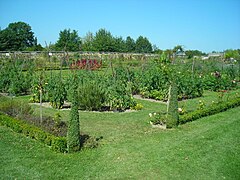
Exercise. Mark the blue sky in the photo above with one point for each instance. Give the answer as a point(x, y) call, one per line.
point(206, 25)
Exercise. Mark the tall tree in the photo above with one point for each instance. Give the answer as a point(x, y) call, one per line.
point(17, 37)
point(68, 41)
point(130, 44)
point(87, 42)
point(104, 41)
point(119, 44)
point(143, 45)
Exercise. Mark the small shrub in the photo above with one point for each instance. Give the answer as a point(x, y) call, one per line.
point(138, 107)
point(91, 96)
point(15, 108)
point(158, 118)
point(59, 144)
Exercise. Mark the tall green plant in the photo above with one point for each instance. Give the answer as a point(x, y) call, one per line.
point(57, 92)
point(73, 135)
point(91, 96)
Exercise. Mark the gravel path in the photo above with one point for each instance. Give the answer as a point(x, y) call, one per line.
point(147, 99)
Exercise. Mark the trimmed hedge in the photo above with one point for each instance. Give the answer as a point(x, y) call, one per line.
point(214, 109)
point(58, 144)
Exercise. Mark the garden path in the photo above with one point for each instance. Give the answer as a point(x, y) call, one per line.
point(147, 99)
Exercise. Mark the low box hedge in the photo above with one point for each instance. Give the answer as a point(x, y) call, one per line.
point(58, 144)
point(213, 109)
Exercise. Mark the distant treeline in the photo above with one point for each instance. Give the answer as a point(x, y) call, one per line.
point(18, 36)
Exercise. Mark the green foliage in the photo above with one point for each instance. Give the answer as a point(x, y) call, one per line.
point(16, 37)
point(57, 93)
point(119, 44)
point(58, 144)
point(137, 107)
point(120, 96)
point(231, 54)
point(159, 118)
point(14, 79)
point(213, 109)
point(189, 86)
point(143, 45)
point(191, 53)
point(103, 41)
point(155, 81)
point(39, 84)
point(214, 83)
point(87, 44)
point(130, 44)
point(73, 135)
point(101, 92)
point(91, 96)
point(15, 108)
point(68, 41)
point(172, 108)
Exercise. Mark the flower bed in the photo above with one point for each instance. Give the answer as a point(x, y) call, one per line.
point(92, 64)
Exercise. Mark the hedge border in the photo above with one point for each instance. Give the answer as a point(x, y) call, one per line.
point(58, 144)
point(214, 109)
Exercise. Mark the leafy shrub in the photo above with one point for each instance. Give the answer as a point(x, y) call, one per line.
point(13, 78)
point(213, 83)
point(120, 97)
point(158, 118)
point(155, 82)
point(15, 108)
point(57, 93)
point(189, 86)
point(91, 96)
point(138, 107)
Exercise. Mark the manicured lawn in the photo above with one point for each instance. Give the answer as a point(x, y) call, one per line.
point(208, 148)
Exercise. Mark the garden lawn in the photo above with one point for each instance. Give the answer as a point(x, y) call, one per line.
point(208, 148)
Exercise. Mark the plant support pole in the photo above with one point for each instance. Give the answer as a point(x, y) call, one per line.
point(41, 105)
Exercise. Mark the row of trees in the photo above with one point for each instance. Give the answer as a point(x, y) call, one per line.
point(102, 41)
point(19, 36)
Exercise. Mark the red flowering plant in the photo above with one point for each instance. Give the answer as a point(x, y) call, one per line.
point(92, 64)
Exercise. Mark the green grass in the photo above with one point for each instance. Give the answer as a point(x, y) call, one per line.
point(208, 148)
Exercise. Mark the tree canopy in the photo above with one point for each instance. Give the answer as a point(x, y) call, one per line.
point(130, 44)
point(87, 42)
point(143, 45)
point(17, 36)
point(68, 41)
point(103, 41)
